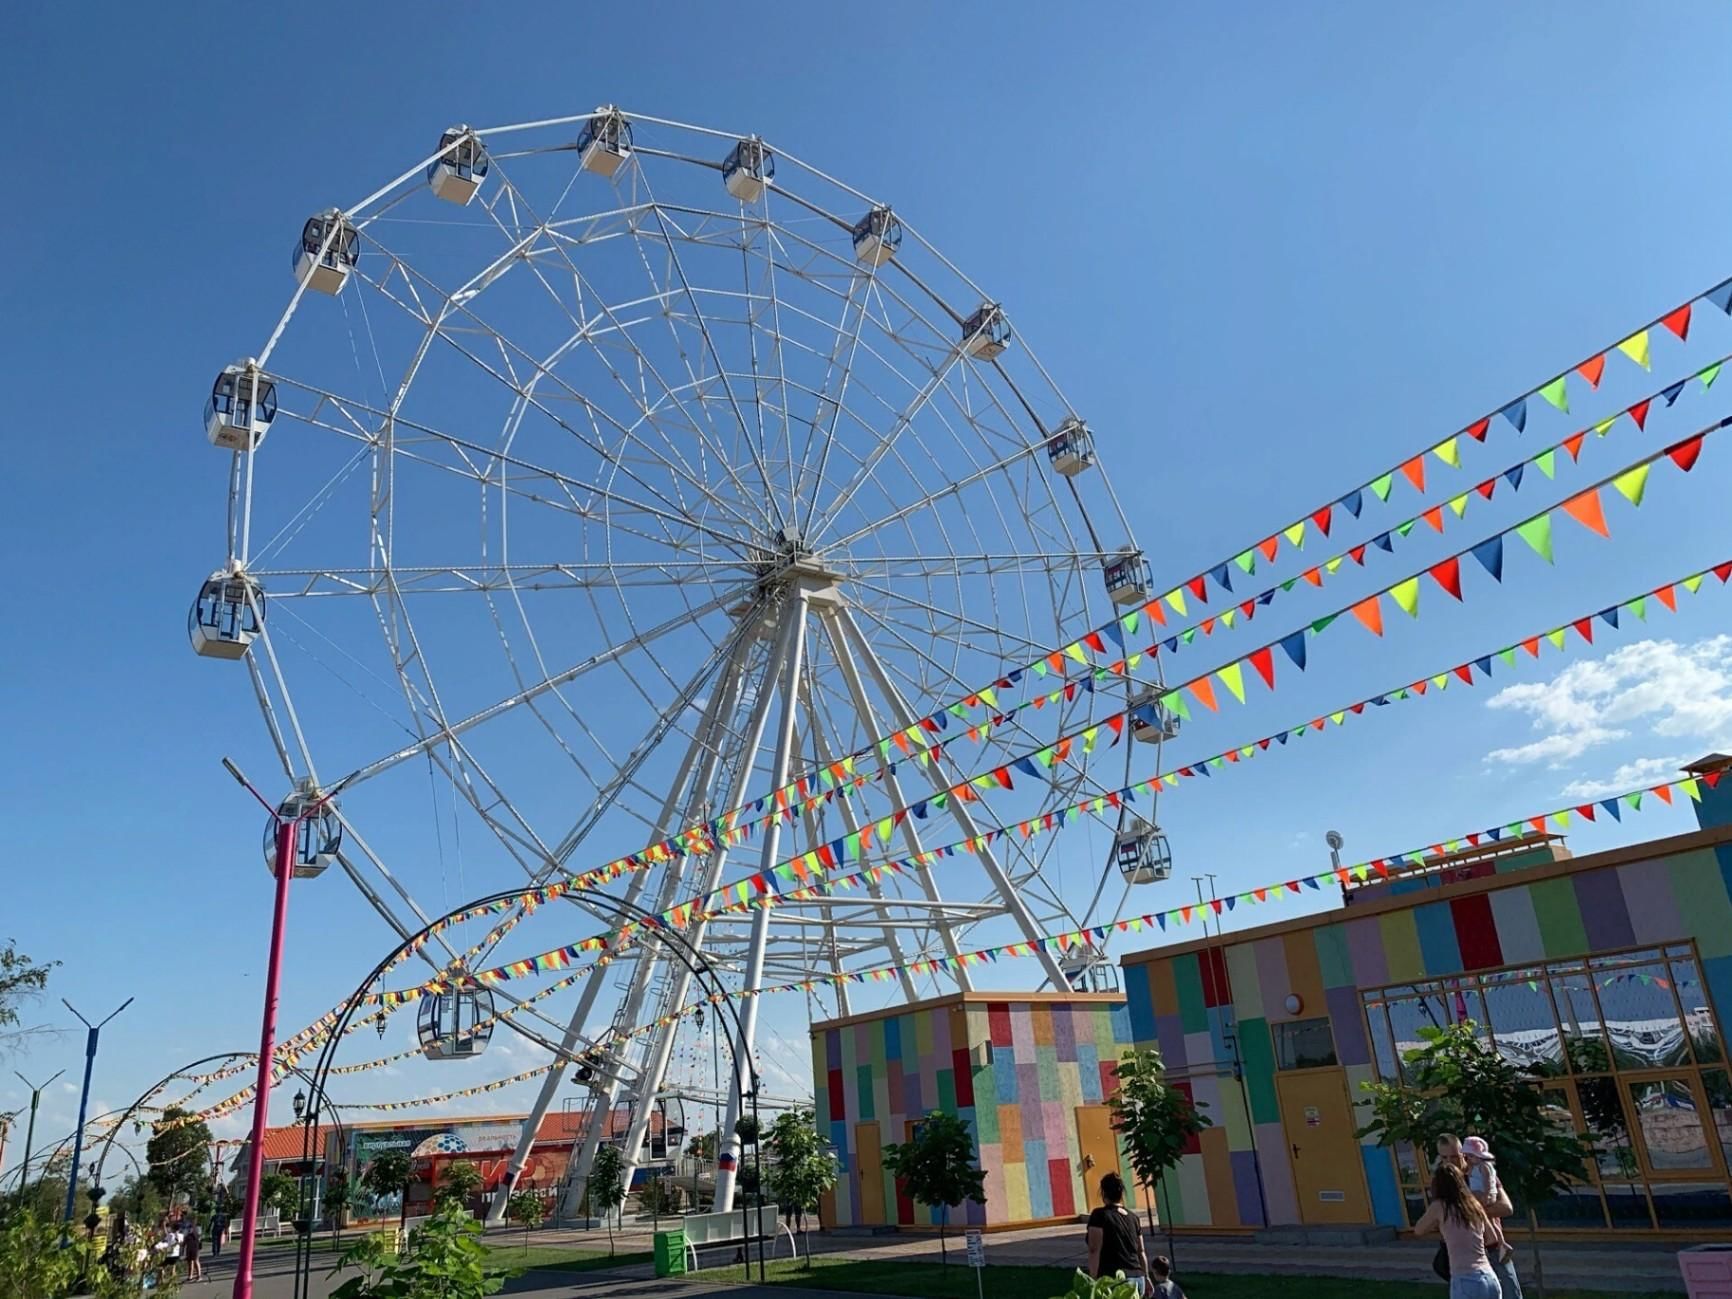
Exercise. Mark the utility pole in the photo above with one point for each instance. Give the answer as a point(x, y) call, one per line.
point(93, 1033)
point(30, 1129)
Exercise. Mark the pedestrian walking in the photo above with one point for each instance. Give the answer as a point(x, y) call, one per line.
point(1115, 1241)
point(1466, 1229)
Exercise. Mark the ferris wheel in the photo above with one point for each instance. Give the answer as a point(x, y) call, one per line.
point(606, 475)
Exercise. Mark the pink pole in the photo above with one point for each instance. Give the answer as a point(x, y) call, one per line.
point(286, 828)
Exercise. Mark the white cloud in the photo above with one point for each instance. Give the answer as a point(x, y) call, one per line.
point(1643, 771)
point(1678, 691)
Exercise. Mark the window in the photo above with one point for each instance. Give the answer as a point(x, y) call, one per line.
point(1304, 1044)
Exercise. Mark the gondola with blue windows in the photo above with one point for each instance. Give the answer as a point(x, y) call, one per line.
point(328, 249)
point(456, 174)
point(242, 404)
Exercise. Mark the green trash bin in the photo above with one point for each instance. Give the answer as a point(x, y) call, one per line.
point(670, 1253)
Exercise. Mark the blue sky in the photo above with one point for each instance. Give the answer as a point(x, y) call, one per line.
point(1269, 254)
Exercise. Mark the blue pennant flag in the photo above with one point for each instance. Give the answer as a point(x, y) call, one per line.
point(1514, 474)
point(1115, 633)
point(1384, 542)
point(1484, 665)
point(1026, 765)
point(1295, 647)
point(1311, 882)
point(1517, 414)
point(1494, 835)
point(1721, 296)
point(919, 810)
point(1281, 737)
point(1611, 806)
point(1490, 555)
point(1161, 919)
point(1016, 673)
point(1172, 644)
point(1353, 502)
point(1673, 393)
point(1610, 615)
point(1380, 701)
point(1231, 899)
point(1265, 597)
point(1220, 576)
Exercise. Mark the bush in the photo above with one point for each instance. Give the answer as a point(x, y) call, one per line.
point(659, 1197)
point(442, 1259)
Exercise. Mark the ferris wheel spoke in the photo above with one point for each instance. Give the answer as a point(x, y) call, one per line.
point(580, 283)
point(484, 578)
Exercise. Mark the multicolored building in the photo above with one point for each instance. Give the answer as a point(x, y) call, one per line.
point(1029, 1072)
point(1606, 977)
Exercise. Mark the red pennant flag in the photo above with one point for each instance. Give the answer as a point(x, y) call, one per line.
point(1639, 412)
point(1370, 615)
point(1473, 840)
point(1357, 708)
point(1448, 575)
point(1414, 470)
point(1711, 778)
point(1477, 431)
point(1586, 811)
point(1205, 693)
point(1591, 370)
point(1216, 904)
point(1586, 510)
point(1668, 596)
point(1678, 321)
point(1263, 744)
point(1434, 516)
point(1465, 672)
point(1381, 867)
point(1322, 518)
point(1723, 571)
point(1486, 488)
point(1195, 586)
point(1662, 792)
point(1585, 626)
point(1684, 454)
point(1532, 646)
point(1248, 610)
point(1357, 554)
point(1264, 661)
point(1270, 547)
point(1094, 642)
point(1573, 444)
point(1117, 722)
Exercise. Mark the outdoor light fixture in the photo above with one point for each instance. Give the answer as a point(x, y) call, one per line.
point(300, 1103)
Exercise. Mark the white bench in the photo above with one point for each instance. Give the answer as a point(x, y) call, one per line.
point(704, 1230)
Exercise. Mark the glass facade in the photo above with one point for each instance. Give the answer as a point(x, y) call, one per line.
point(1626, 1049)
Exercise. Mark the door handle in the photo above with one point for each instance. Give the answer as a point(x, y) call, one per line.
point(1295, 1150)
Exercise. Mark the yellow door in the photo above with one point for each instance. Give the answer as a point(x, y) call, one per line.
point(1327, 1171)
point(1098, 1147)
point(869, 1154)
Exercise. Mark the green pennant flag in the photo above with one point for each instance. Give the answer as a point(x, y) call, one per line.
point(1131, 621)
point(1189, 636)
point(1233, 677)
point(1246, 561)
point(1632, 485)
point(1405, 528)
point(1380, 486)
point(1217, 761)
point(1556, 638)
point(1639, 607)
point(1174, 702)
point(1693, 584)
point(1508, 655)
point(1634, 800)
point(1547, 462)
point(1556, 392)
point(1288, 584)
point(1399, 694)
point(1459, 504)
point(1296, 534)
point(1323, 623)
point(1537, 532)
point(1040, 667)
point(1709, 375)
point(1406, 594)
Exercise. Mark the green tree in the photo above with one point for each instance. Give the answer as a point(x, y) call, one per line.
point(281, 1192)
point(801, 1169)
point(937, 1167)
point(659, 1196)
point(702, 1147)
point(746, 1129)
point(442, 1259)
point(526, 1209)
point(178, 1155)
point(1084, 1286)
point(457, 1185)
point(21, 981)
point(32, 1264)
point(1456, 1083)
point(606, 1187)
point(1156, 1120)
point(389, 1174)
point(340, 1196)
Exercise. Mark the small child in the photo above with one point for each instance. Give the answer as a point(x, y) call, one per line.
point(1482, 1180)
point(1161, 1278)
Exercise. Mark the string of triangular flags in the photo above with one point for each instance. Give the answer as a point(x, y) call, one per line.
point(766, 888)
point(923, 741)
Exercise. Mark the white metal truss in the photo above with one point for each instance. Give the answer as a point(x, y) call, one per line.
point(573, 486)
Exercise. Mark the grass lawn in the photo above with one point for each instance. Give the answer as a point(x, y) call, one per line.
point(934, 1281)
point(509, 1252)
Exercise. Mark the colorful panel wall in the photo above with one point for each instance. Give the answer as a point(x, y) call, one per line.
point(1015, 1071)
point(1187, 1003)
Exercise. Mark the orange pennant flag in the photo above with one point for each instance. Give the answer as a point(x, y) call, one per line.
point(1414, 469)
point(1434, 516)
point(1585, 510)
point(1370, 614)
point(1668, 596)
point(1204, 689)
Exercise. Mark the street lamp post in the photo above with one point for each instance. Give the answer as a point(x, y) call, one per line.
point(30, 1128)
point(287, 828)
point(92, 1034)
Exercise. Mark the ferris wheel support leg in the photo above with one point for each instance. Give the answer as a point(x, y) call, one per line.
point(1014, 904)
point(910, 836)
point(728, 1144)
point(584, 1158)
point(702, 750)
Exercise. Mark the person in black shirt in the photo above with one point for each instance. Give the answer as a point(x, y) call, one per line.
point(1115, 1243)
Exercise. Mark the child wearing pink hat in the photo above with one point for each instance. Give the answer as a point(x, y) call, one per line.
point(1482, 1180)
